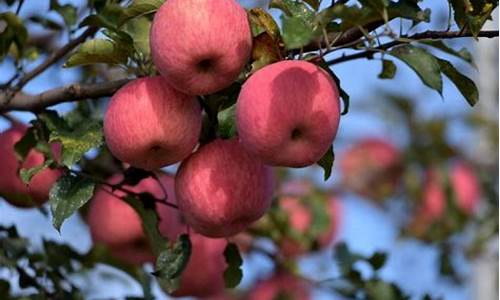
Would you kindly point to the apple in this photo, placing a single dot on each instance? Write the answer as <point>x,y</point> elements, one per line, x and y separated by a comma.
<point>465,189</point>
<point>288,113</point>
<point>281,286</point>
<point>114,223</point>
<point>300,219</point>
<point>200,46</point>
<point>149,125</point>
<point>221,189</point>
<point>372,168</point>
<point>12,188</point>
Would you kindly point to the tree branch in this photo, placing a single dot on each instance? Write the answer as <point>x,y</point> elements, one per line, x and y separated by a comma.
<point>75,92</point>
<point>69,93</point>
<point>427,35</point>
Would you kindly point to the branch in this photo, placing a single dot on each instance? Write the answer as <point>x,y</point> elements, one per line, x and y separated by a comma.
<point>75,92</point>
<point>427,35</point>
<point>69,93</point>
<point>54,57</point>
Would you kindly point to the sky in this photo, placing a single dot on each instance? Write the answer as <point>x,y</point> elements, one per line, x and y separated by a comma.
<point>365,228</point>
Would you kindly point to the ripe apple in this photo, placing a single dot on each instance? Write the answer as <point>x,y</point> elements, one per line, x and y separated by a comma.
<point>200,46</point>
<point>372,168</point>
<point>465,189</point>
<point>149,125</point>
<point>281,286</point>
<point>287,113</point>
<point>221,189</point>
<point>115,224</point>
<point>300,219</point>
<point>12,188</point>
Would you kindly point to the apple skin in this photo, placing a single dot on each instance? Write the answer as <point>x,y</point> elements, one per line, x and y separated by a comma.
<point>300,219</point>
<point>288,113</point>
<point>200,46</point>
<point>149,125</point>
<point>372,168</point>
<point>464,184</point>
<point>12,188</point>
<point>281,284</point>
<point>221,189</point>
<point>115,224</point>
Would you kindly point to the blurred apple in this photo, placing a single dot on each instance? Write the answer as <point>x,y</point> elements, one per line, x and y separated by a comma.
<point>12,188</point>
<point>372,168</point>
<point>281,286</point>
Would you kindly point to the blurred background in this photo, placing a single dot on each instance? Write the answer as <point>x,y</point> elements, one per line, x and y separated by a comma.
<point>427,130</point>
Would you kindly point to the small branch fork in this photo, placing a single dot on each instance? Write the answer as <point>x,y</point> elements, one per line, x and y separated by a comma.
<point>22,102</point>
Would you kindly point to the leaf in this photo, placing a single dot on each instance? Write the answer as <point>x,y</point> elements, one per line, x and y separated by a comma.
<point>138,29</point>
<point>132,176</point>
<point>77,142</point>
<point>109,17</point>
<point>296,33</point>
<point>462,53</point>
<point>265,51</point>
<point>172,261</point>
<point>343,94</point>
<point>67,11</point>
<point>261,21</point>
<point>379,290</point>
<point>472,14</point>
<point>464,84</point>
<point>326,162</point>
<point>377,260</point>
<point>13,33</point>
<point>313,3</point>
<point>140,8</point>
<point>388,69</point>
<point>423,63</point>
<point>97,51</point>
<point>67,195</point>
<point>227,122</point>
<point>27,174</point>
<point>233,273</point>
<point>25,144</point>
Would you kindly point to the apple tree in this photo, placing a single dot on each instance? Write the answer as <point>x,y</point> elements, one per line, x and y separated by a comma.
<point>182,123</point>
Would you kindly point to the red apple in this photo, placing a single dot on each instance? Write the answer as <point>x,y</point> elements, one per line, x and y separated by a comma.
<point>287,113</point>
<point>281,286</point>
<point>149,125</point>
<point>221,189</point>
<point>372,168</point>
<point>465,189</point>
<point>115,224</point>
<point>12,188</point>
<point>300,219</point>
<point>200,46</point>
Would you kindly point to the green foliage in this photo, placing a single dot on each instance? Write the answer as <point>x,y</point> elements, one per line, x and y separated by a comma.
<point>14,33</point>
<point>233,273</point>
<point>67,195</point>
<point>326,162</point>
<point>466,86</point>
<point>472,14</point>
<point>388,69</point>
<point>98,51</point>
<point>139,8</point>
<point>172,261</point>
<point>67,12</point>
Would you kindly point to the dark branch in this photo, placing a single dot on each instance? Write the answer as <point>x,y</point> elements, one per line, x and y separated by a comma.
<point>75,92</point>
<point>69,93</point>
<point>427,35</point>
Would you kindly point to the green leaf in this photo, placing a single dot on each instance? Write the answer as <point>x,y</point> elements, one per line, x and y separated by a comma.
<point>77,142</point>
<point>233,273</point>
<point>377,260</point>
<point>97,51</point>
<point>265,51</point>
<point>13,34</point>
<point>109,17</point>
<point>172,261</point>
<point>423,63</point>
<point>326,162</point>
<point>380,290</point>
<point>464,84</point>
<point>343,94</point>
<point>140,8</point>
<point>67,195</point>
<point>138,29</point>
<point>261,21</point>
<point>388,69</point>
<point>296,33</point>
<point>25,144</point>
<point>313,3</point>
<point>227,122</point>
<point>472,14</point>
<point>67,11</point>
<point>27,174</point>
<point>462,53</point>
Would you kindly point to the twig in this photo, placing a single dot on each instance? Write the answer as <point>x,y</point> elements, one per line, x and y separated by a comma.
<point>427,35</point>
